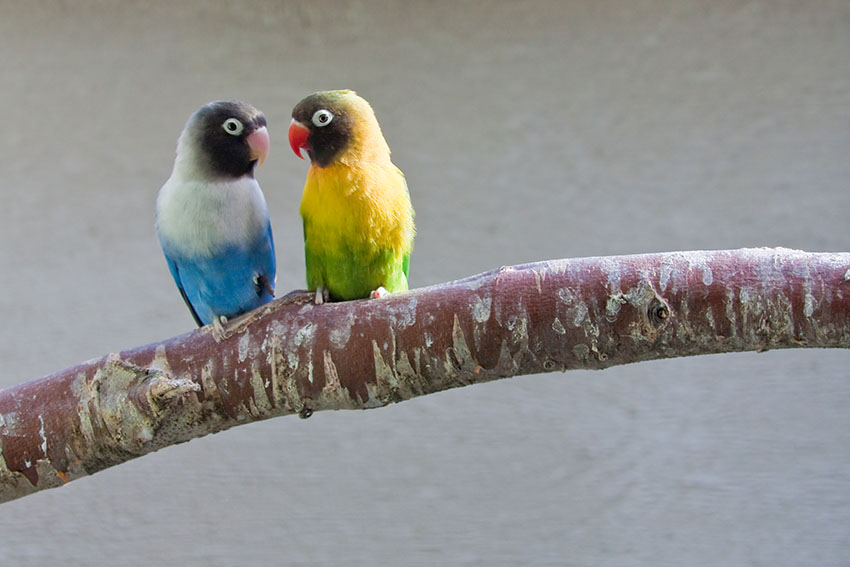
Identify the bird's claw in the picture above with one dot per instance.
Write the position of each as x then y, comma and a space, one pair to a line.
224, 328
322, 295
220, 330
379, 293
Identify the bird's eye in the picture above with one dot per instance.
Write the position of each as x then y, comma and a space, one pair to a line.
322, 117
233, 126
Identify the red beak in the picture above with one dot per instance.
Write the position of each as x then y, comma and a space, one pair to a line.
299, 137
258, 141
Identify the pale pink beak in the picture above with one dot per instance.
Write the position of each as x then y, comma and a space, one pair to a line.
259, 142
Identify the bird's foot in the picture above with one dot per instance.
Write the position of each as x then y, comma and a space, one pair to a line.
224, 328
379, 293
322, 295
220, 330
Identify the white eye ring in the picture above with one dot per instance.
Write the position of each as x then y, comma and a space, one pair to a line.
233, 126
322, 117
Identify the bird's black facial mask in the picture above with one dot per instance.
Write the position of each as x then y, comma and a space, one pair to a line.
330, 129
222, 129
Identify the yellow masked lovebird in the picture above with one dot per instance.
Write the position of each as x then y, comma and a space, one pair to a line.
358, 221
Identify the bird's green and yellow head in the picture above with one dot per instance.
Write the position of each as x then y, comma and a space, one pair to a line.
336, 126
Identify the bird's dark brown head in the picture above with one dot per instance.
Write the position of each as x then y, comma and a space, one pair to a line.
230, 138
323, 124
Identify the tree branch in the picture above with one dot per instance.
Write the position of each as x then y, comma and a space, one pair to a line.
292, 357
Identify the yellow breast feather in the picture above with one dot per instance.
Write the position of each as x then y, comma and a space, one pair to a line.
362, 207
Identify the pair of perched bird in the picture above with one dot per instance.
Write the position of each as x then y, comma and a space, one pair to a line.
213, 224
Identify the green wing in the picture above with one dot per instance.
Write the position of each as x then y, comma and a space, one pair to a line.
405, 265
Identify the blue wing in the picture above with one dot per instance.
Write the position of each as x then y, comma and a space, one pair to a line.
230, 282
175, 273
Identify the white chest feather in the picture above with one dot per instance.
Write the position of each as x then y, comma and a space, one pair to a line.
200, 218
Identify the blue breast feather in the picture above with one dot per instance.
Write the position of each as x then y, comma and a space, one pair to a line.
229, 282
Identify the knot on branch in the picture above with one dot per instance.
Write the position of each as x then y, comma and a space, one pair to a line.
128, 403
162, 391
658, 312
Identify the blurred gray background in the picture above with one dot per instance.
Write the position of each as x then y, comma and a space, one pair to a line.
527, 130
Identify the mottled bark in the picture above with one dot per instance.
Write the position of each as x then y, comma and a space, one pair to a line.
299, 358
